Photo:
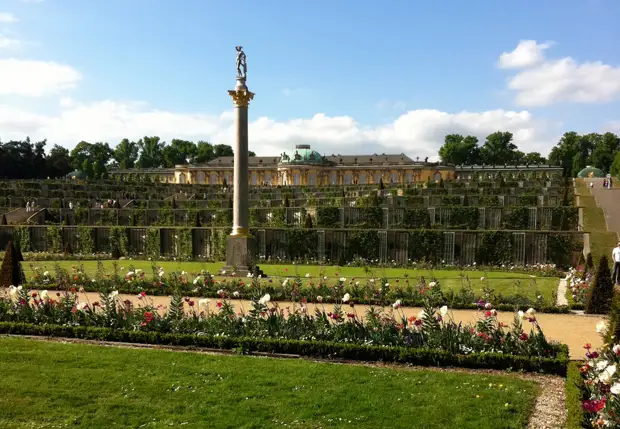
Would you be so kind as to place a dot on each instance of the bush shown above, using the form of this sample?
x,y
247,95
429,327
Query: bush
x,y
573,387
11,273
599,300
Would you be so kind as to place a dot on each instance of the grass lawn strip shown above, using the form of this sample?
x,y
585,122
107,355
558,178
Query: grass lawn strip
x,y
506,283
162,388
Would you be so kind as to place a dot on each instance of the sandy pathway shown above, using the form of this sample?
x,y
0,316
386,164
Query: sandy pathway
x,y
571,329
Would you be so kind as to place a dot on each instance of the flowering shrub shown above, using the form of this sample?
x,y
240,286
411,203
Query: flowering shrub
x,y
602,383
378,291
580,283
432,329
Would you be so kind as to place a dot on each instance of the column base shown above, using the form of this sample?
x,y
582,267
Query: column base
x,y
240,251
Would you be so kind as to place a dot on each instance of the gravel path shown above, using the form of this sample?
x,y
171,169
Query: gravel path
x,y
571,329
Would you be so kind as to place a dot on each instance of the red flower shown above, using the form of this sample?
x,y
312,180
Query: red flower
x,y
219,304
191,303
76,278
523,337
72,290
34,294
588,346
594,406
142,294
148,316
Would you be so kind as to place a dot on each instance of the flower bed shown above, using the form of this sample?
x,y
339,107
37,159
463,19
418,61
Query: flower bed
x,y
375,291
431,338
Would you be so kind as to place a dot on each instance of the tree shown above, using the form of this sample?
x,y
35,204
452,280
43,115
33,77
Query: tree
x,y
204,152
499,149
533,158
250,153
11,273
179,152
460,150
605,149
126,154
571,153
58,163
151,152
601,293
91,158
615,166
222,150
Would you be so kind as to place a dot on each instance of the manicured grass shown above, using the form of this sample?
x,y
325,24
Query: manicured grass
x,y
506,283
601,240
60,385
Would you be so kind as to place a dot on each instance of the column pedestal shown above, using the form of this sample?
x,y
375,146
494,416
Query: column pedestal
x,y
240,251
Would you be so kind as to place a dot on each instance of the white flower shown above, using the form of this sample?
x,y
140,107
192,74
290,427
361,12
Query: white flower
x,y
265,299
307,275
616,349
432,284
161,273
319,298
488,306
346,297
13,293
45,296
493,312
203,304
196,280
372,280
443,310
114,294
521,315
601,327
342,279
387,285
138,271
615,389
223,272
324,277
236,294
82,306
530,312
481,279
250,275
607,374
285,282
397,304
46,273
601,365
421,315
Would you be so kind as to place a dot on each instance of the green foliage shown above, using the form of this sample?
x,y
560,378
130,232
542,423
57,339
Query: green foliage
x,y
85,241
184,243
153,243
601,293
495,248
21,238
118,241
464,217
574,388
560,249
518,218
11,273
328,217
301,244
416,218
53,237
427,245
319,349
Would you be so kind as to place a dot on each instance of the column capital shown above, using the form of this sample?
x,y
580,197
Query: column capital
x,y
241,97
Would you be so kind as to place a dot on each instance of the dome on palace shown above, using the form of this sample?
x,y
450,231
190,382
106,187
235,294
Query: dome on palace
x,y
303,155
590,171
76,174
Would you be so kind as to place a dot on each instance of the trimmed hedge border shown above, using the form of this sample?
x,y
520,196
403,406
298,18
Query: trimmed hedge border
x,y
574,388
320,349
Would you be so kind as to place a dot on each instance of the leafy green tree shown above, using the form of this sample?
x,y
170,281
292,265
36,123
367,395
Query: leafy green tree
x,y
604,151
179,152
499,149
615,166
126,154
563,153
533,158
151,152
459,150
57,162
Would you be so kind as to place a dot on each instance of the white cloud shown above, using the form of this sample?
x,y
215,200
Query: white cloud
x,y
7,18
526,54
8,43
549,81
35,78
416,133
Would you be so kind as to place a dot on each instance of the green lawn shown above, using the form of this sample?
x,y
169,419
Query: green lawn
x,y
506,283
601,240
47,385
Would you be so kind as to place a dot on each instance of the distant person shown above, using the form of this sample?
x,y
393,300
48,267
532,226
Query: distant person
x,y
27,206
70,205
615,255
591,184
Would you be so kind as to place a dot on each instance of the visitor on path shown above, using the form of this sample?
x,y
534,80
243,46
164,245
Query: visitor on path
x,y
27,206
592,184
615,256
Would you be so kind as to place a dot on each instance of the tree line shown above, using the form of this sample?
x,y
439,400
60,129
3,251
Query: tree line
x,y
573,152
26,159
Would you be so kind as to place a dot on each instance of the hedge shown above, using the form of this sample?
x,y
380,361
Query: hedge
x,y
574,388
319,349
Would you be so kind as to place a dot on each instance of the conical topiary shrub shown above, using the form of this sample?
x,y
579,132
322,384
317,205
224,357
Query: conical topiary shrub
x,y
601,293
11,273
308,222
3,220
198,223
589,261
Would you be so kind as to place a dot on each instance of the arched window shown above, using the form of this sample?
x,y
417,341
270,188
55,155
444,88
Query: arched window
x,y
200,178
362,178
334,178
437,176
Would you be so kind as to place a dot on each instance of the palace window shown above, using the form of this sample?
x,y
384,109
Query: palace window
x,y
311,179
394,178
213,178
362,178
334,178
296,179
254,178
347,179
268,178
409,177
377,177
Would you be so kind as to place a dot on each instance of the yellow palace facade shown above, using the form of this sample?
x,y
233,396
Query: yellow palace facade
x,y
306,167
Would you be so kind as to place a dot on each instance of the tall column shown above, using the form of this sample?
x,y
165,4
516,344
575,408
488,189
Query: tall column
x,y
241,99
240,244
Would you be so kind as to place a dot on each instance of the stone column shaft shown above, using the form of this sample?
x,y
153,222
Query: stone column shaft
x,y
241,195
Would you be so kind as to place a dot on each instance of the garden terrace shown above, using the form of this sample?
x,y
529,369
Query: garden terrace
x,y
459,247
442,217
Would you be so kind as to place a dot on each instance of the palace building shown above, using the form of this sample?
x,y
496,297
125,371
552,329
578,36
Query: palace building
x,y
306,167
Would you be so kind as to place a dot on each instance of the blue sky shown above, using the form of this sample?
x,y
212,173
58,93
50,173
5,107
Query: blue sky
x,y
370,62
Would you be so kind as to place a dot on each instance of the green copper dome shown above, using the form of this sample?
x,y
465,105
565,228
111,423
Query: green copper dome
x,y
590,171
303,154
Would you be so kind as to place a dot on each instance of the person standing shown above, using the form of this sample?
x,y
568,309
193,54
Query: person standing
x,y
615,256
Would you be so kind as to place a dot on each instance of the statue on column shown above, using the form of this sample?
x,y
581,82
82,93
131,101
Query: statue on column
x,y
242,66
